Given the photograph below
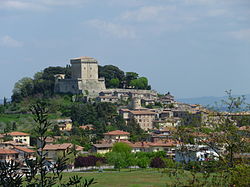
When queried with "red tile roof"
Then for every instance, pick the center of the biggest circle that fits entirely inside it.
(117, 132)
(142, 112)
(18, 134)
(7, 151)
(63, 146)
(24, 149)
(14, 143)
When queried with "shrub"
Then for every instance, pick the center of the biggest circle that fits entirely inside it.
(157, 162)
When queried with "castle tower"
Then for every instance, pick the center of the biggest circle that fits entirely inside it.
(136, 103)
(85, 68)
(84, 78)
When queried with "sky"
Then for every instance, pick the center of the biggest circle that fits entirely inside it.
(191, 48)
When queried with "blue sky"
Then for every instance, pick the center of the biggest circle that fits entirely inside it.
(191, 48)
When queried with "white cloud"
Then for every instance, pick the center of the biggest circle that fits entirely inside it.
(62, 2)
(113, 29)
(147, 13)
(37, 4)
(7, 41)
(20, 5)
(243, 34)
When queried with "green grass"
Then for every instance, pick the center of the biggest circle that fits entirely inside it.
(24, 122)
(125, 178)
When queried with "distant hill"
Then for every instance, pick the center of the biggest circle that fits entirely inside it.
(208, 101)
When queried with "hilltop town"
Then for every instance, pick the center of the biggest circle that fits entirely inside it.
(95, 118)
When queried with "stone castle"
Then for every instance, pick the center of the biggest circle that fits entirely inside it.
(84, 78)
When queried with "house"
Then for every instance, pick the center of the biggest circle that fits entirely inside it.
(108, 99)
(8, 155)
(11, 144)
(195, 153)
(24, 152)
(20, 137)
(64, 124)
(144, 118)
(168, 146)
(117, 135)
(102, 148)
(139, 147)
(53, 150)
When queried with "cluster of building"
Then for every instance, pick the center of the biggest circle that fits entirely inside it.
(158, 115)
(17, 147)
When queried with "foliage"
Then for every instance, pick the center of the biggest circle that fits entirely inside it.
(121, 147)
(9, 176)
(114, 83)
(157, 162)
(87, 161)
(42, 84)
(110, 72)
(240, 175)
(140, 83)
(10, 170)
(118, 159)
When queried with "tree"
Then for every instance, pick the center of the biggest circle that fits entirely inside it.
(23, 88)
(222, 135)
(129, 77)
(143, 162)
(114, 83)
(37, 174)
(4, 101)
(157, 162)
(118, 159)
(121, 147)
(140, 83)
(110, 72)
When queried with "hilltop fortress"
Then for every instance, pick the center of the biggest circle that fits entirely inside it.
(85, 80)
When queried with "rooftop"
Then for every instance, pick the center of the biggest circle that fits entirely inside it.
(17, 134)
(142, 112)
(24, 149)
(117, 132)
(7, 151)
(84, 59)
(63, 146)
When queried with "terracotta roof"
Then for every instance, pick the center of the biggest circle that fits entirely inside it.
(124, 110)
(24, 149)
(63, 146)
(7, 151)
(245, 128)
(14, 143)
(103, 145)
(142, 112)
(117, 132)
(89, 127)
(168, 143)
(18, 134)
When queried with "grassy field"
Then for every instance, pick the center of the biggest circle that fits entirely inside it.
(140, 178)
(24, 122)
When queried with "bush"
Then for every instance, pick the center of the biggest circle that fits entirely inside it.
(87, 161)
(157, 162)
